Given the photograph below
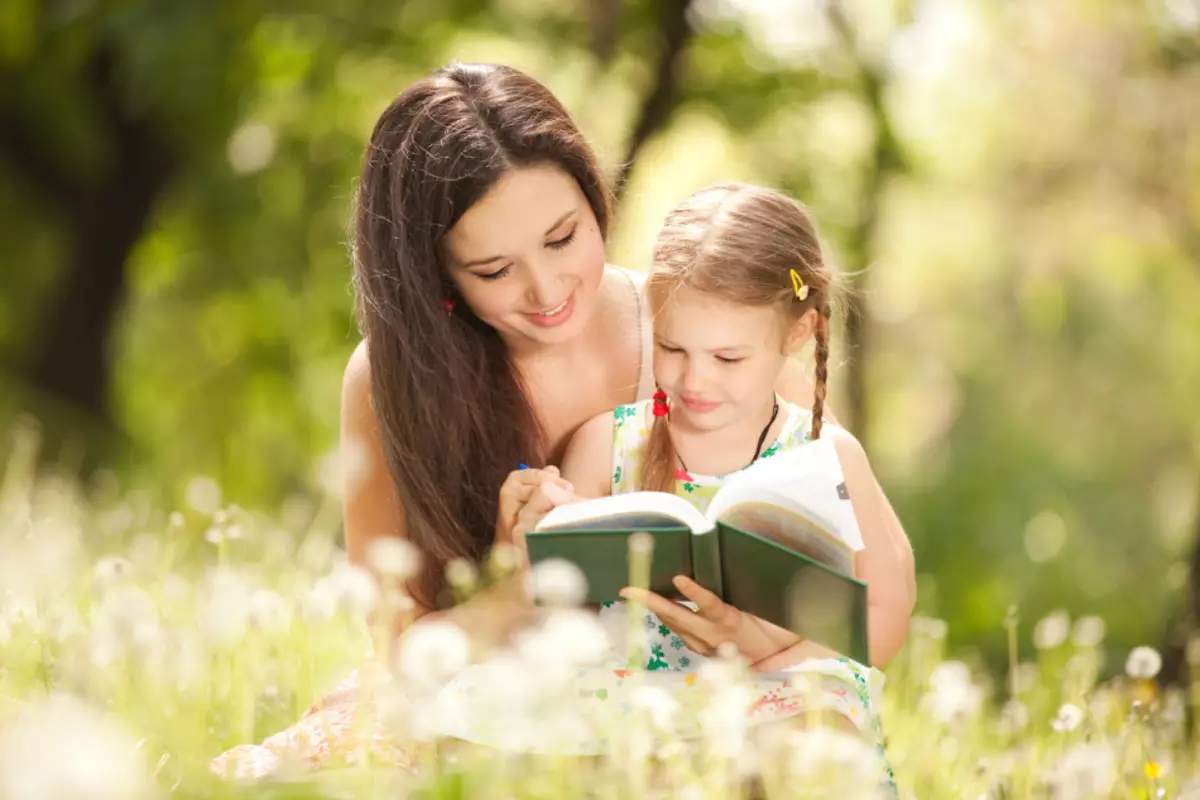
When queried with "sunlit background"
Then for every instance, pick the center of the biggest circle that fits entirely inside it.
(1012, 188)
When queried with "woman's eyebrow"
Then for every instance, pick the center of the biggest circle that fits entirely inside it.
(481, 262)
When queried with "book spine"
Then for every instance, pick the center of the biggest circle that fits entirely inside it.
(706, 561)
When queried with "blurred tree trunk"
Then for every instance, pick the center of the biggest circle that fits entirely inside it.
(1176, 669)
(884, 163)
(102, 217)
(675, 31)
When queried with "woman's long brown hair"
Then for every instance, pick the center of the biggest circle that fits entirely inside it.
(453, 415)
(740, 242)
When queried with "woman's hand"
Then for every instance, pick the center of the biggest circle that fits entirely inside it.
(515, 494)
(545, 497)
(714, 622)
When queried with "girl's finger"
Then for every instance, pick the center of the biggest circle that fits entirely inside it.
(708, 604)
(680, 619)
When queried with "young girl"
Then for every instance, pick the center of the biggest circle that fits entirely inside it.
(738, 286)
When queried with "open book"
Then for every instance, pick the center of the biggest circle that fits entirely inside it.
(779, 541)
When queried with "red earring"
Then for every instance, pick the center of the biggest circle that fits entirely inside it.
(448, 304)
(660, 404)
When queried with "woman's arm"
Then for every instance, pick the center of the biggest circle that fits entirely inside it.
(372, 510)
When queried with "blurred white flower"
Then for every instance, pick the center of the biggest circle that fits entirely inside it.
(225, 608)
(356, 590)
(558, 582)
(462, 574)
(1014, 718)
(952, 695)
(110, 571)
(175, 590)
(504, 558)
(1143, 663)
(1084, 772)
(1069, 717)
(1052, 630)
(316, 552)
(251, 147)
(657, 703)
(567, 638)
(394, 558)
(724, 719)
(203, 494)
(320, 602)
(1088, 632)
(841, 764)
(929, 627)
(641, 544)
(99, 758)
(125, 621)
(431, 653)
(269, 612)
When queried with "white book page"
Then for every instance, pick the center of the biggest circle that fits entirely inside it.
(632, 511)
(807, 482)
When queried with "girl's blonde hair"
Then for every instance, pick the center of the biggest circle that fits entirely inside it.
(740, 243)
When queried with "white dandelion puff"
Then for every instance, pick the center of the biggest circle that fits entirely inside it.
(269, 612)
(1052, 630)
(430, 653)
(559, 582)
(110, 571)
(1143, 663)
(101, 760)
(394, 558)
(1088, 632)
(1068, 718)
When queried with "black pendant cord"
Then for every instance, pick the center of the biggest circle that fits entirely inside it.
(762, 438)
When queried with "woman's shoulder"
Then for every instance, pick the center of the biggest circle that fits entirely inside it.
(356, 383)
(637, 276)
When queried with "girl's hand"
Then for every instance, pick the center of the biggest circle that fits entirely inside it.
(515, 494)
(714, 622)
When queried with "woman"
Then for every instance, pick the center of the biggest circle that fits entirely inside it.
(492, 326)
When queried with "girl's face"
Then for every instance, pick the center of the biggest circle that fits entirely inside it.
(528, 257)
(718, 362)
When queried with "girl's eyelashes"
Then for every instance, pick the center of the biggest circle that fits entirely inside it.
(666, 348)
(725, 360)
(559, 244)
(492, 276)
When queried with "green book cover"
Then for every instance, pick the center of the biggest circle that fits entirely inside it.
(779, 541)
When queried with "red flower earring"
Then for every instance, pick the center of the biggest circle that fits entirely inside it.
(448, 304)
(660, 404)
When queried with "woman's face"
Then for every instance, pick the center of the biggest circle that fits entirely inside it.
(528, 257)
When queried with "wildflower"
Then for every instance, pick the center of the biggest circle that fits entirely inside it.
(841, 764)
(1085, 771)
(110, 571)
(224, 610)
(320, 603)
(1068, 718)
(203, 494)
(269, 612)
(657, 703)
(1052, 630)
(567, 638)
(558, 582)
(356, 590)
(952, 695)
(1143, 663)
(462, 574)
(101, 755)
(1088, 632)
(930, 628)
(432, 652)
(394, 558)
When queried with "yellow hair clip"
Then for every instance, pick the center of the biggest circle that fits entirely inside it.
(799, 287)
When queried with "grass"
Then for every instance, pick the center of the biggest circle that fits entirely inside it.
(136, 645)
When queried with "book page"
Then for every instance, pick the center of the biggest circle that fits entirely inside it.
(771, 520)
(807, 486)
(632, 511)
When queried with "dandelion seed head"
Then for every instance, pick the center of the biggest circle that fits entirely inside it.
(1143, 663)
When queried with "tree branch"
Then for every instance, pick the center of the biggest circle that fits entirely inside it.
(657, 107)
(32, 157)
